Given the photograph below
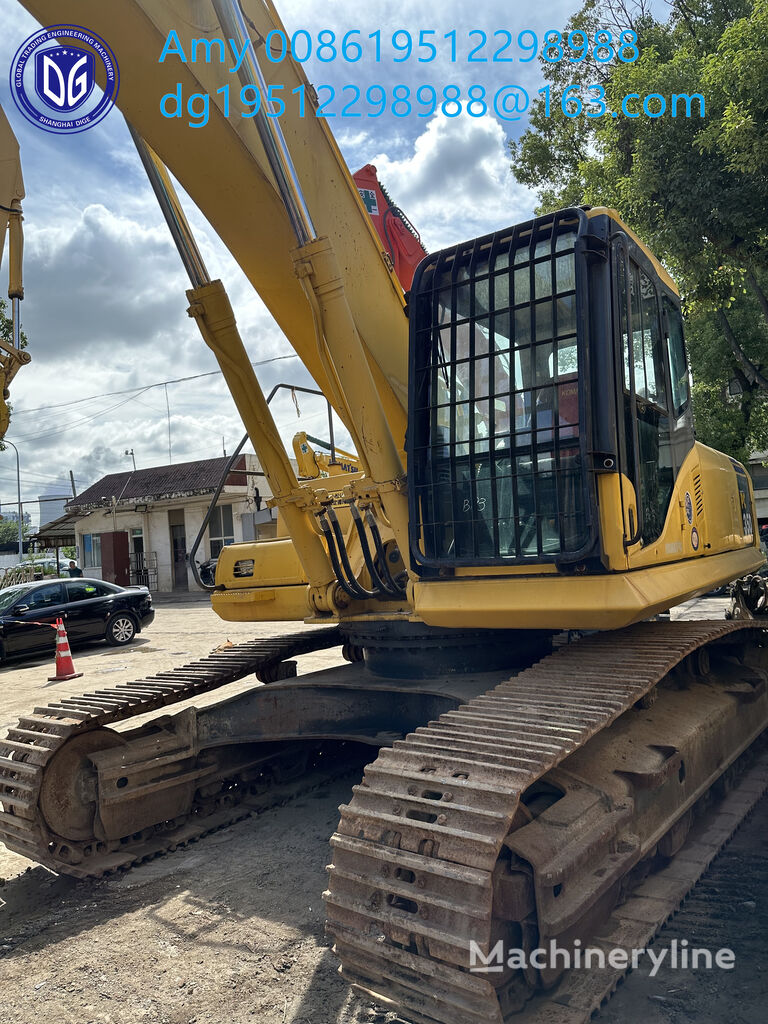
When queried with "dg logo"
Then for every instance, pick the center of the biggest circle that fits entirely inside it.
(64, 79)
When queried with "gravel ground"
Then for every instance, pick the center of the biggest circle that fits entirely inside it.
(726, 910)
(230, 930)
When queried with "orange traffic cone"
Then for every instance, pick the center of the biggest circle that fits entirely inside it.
(65, 667)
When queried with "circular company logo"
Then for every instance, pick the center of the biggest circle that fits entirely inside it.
(53, 75)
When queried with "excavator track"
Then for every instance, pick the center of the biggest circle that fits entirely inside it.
(30, 746)
(415, 872)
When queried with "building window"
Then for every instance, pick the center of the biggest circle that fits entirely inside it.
(221, 530)
(91, 550)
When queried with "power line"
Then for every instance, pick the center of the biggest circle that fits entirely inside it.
(144, 387)
(35, 478)
(77, 423)
(112, 394)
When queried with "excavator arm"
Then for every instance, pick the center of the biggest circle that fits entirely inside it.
(400, 238)
(224, 167)
(313, 465)
(280, 196)
(11, 193)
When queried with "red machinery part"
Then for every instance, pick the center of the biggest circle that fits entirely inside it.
(399, 237)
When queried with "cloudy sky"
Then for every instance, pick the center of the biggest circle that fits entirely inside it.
(105, 305)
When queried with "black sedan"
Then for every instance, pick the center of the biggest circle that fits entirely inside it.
(91, 610)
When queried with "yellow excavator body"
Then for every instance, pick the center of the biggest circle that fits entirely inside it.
(339, 300)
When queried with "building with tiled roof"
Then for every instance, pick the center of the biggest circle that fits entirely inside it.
(139, 526)
(159, 483)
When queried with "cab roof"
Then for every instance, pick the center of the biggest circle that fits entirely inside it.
(607, 211)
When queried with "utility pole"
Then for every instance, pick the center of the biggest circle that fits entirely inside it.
(168, 410)
(18, 489)
(72, 481)
(129, 451)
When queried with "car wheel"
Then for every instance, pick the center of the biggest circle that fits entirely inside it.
(121, 629)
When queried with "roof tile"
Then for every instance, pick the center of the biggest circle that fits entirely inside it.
(158, 482)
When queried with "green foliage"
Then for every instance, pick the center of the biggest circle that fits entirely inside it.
(550, 155)
(695, 189)
(736, 76)
(9, 531)
(6, 326)
(735, 423)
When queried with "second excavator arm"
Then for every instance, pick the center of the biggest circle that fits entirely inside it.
(12, 357)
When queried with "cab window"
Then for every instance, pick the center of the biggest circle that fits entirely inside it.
(46, 597)
(498, 398)
(82, 590)
(646, 339)
(678, 365)
(650, 467)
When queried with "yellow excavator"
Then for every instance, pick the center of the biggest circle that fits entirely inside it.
(12, 356)
(312, 464)
(527, 497)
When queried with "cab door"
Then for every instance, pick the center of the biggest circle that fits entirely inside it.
(87, 610)
(647, 456)
(43, 605)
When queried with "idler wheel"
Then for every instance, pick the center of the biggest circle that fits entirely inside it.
(68, 795)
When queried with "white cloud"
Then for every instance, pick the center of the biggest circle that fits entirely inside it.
(456, 183)
(101, 271)
(105, 311)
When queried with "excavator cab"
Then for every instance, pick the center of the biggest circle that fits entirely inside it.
(550, 417)
(498, 454)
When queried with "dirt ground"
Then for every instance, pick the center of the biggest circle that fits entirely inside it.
(230, 930)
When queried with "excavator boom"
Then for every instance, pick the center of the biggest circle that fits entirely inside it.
(224, 167)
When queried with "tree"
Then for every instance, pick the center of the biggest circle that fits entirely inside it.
(694, 188)
(6, 326)
(731, 411)
(737, 75)
(6, 334)
(9, 531)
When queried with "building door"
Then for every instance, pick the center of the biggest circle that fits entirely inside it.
(139, 569)
(178, 549)
(115, 558)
